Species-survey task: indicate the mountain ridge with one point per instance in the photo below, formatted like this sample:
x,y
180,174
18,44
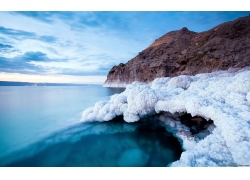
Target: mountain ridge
x,y
184,52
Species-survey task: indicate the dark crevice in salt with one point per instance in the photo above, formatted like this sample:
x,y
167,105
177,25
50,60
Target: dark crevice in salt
x,y
118,119
196,123
183,124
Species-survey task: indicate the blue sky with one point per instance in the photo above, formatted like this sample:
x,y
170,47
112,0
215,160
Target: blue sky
x,y
81,47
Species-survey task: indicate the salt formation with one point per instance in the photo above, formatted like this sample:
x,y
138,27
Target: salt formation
x,y
222,96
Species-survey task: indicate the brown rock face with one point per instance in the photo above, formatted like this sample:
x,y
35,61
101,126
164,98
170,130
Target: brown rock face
x,y
185,52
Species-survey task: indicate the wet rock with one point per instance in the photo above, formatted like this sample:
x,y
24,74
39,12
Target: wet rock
x,y
177,122
172,124
194,129
184,133
202,134
211,128
190,138
162,118
199,121
176,115
208,123
185,117
186,122
206,126
179,127
167,114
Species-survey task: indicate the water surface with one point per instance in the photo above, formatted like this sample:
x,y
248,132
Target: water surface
x,y
106,144
29,113
39,127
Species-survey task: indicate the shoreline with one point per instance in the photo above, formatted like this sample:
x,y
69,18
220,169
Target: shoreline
x,y
222,96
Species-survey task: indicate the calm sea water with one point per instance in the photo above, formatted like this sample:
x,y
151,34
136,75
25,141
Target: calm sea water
x,y
39,126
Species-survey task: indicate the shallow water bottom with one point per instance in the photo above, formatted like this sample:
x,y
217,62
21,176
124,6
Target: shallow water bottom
x,y
105,144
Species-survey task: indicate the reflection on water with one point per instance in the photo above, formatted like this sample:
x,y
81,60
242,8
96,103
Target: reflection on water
x,y
106,144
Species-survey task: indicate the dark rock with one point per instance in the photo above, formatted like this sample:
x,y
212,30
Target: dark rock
x,y
206,126
199,121
210,121
226,46
194,129
202,134
185,116
196,123
211,127
185,119
118,119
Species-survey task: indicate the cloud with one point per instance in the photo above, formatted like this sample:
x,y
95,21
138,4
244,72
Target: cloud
x,y
40,15
93,22
74,72
6,49
110,20
20,35
16,65
50,16
35,56
89,43
25,63
88,68
39,63
5,46
48,39
16,33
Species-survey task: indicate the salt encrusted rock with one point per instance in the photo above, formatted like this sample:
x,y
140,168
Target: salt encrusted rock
x,y
175,115
206,126
184,52
211,128
162,118
221,96
167,114
184,133
202,134
194,129
172,124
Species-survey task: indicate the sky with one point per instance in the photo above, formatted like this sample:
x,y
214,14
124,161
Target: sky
x,y
82,46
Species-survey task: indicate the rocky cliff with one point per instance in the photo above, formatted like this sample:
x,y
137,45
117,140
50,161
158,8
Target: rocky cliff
x,y
183,52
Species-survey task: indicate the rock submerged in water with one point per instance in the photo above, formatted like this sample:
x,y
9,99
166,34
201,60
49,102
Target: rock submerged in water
x,y
133,158
183,52
172,124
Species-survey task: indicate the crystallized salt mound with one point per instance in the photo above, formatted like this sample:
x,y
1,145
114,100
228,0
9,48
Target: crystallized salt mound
x,y
222,96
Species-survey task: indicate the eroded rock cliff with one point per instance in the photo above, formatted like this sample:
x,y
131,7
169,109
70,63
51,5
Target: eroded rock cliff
x,y
226,46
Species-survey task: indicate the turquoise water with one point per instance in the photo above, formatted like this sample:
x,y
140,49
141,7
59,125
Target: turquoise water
x,y
39,126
